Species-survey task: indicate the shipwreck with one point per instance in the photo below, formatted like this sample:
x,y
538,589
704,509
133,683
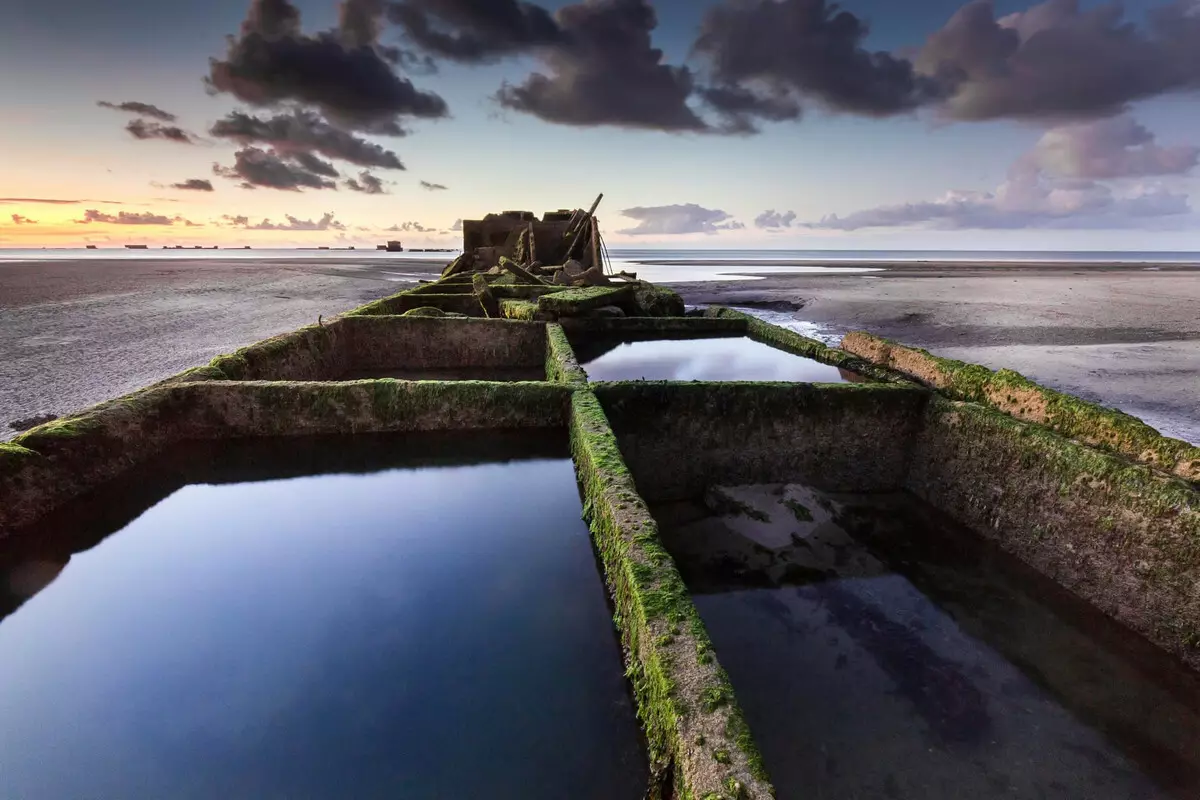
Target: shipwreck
x,y
779,475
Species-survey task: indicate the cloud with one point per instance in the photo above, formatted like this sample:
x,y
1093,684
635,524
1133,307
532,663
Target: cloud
x,y
20,220
1109,148
810,48
134,107
773,220
411,227
325,223
143,129
130,218
433,187
194,184
343,72
475,31
678,219
304,131
1054,60
457,226
1057,184
55,201
256,167
365,183
740,108
606,71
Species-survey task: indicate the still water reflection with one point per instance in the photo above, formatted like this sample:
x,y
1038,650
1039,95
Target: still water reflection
x,y
731,358
317,619
879,651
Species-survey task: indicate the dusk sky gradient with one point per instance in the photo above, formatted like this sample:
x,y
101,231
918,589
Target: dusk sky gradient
x,y
1070,126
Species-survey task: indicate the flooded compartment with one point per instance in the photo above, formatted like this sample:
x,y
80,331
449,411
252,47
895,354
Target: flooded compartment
x,y
406,348
683,357
877,647
367,616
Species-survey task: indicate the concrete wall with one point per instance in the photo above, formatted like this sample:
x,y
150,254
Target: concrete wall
x,y
680,438
435,343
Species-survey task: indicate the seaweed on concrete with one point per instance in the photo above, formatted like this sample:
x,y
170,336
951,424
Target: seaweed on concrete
x,y
561,364
584,299
684,697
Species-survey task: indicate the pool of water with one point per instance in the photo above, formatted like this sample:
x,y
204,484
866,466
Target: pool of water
x,y
537,373
351,617
879,651
725,358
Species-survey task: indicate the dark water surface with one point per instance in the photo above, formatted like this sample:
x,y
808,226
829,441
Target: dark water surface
x,y
725,358
879,651
400,617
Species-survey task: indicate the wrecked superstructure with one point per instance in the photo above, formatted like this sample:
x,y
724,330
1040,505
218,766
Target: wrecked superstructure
x,y
1090,497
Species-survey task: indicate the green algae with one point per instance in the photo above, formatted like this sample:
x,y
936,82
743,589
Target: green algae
x,y
656,618
800,511
561,364
584,299
650,300
519,309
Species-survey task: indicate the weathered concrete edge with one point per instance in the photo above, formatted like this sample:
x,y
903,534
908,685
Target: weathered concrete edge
x,y
53,463
685,700
651,325
1120,535
1023,399
561,364
792,342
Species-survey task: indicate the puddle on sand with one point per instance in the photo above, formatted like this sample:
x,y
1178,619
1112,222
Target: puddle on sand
x,y
880,651
722,358
343,617
537,373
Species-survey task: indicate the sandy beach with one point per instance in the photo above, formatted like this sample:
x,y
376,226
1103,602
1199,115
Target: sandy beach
x,y
74,333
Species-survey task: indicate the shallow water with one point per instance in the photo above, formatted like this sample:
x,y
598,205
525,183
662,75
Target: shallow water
x,y
879,651
366,617
726,358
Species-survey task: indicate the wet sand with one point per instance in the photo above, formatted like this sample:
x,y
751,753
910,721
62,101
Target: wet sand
x,y
74,333
1126,336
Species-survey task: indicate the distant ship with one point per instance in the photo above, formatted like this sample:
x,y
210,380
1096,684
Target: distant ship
x,y
91,247
137,247
395,247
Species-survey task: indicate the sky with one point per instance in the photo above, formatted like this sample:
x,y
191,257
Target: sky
x,y
871,124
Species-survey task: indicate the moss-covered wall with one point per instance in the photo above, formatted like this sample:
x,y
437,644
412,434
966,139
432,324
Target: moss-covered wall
x,y
442,343
561,364
695,729
1020,397
449,299
50,464
652,326
309,353
1122,536
680,438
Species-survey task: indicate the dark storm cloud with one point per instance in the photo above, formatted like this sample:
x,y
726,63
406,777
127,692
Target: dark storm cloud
x,y
325,223
432,187
341,72
475,31
134,107
812,48
256,167
1055,60
314,165
194,184
678,219
144,129
774,220
365,183
20,220
607,72
740,108
130,218
304,131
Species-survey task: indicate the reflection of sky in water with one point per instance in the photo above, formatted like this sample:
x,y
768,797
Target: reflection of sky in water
x,y
336,636
746,271
721,359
